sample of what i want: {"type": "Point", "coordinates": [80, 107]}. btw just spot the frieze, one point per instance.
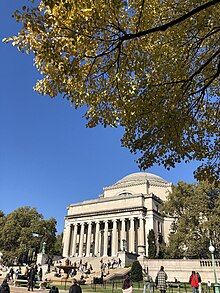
{"type": "Point", "coordinates": [107, 212]}
{"type": "Point", "coordinates": [106, 199]}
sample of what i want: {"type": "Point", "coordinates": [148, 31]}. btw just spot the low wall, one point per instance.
{"type": "Point", "coordinates": [181, 268]}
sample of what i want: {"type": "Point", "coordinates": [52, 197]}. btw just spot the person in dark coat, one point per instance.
{"type": "Point", "coordinates": [127, 285]}
{"type": "Point", "coordinates": [31, 278]}
{"type": "Point", "coordinates": [4, 288]}
{"type": "Point", "coordinates": [11, 272]}
{"type": "Point", "coordinates": [40, 274]}
{"type": "Point", "coordinates": [75, 288]}
{"type": "Point", "coordinates": [161, 280]}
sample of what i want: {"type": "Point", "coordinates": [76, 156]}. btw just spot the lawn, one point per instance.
{"type": "Point", "coordinates": [115, 287]}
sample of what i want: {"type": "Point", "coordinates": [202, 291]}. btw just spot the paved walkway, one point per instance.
{"type": "Point", "coordinates": [25, 290]}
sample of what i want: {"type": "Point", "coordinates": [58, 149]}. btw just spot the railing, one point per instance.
{"type": "Point", "coordinates": [208, 263]}
{"type": "Point", "coordinates": [115, 286]}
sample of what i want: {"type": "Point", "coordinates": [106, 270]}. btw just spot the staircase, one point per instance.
{"type": "Point", "coordinates": [116, 274]}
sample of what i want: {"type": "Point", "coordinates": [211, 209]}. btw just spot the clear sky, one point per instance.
{"type": "Point", "coordinates": [48, 158]}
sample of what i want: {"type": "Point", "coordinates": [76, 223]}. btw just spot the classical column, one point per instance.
{"type": "Point", "coordinates": [123, 234]}
{"type": "Point", "coordinates": [147, 229]}
{"type": "Point", "coordinates": [88, 244]}
{"type": "Point", "coordinates": [74, 239]}
{"type": "Point", "coordinates": [66, 240]}
{"type": "Point", "coordinates": [97, 229]}
{"type": "Point", "coordinates": [105, 248]}
{"type": "Point", "coordinates": [141, 245]}
{"type": "Point", "coordinates": [81, 240]}
{"type": "Point", "coordinates": [114, 238]}
{"type": "Point", "coordinates": [131, 234]}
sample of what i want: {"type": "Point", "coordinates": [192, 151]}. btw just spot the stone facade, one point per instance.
{"type": "Point", "coordinates": [119, 220]}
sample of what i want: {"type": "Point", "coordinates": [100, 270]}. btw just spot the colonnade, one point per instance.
{"type": "Point", "coordinates": [105, 237]}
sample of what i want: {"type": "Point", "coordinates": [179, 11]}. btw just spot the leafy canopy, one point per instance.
{"type": "Point", "coordinates": [150, 66]}
{"type": "Point", "coordinates": [196, 209]}
{"type": "Point", "coordinates": [19, 230]}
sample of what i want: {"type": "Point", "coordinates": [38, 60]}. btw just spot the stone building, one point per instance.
{"type": "Point", "coordinates": [119, 220]}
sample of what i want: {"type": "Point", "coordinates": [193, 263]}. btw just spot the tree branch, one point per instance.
{"type": "Point", "coordinates": [140, 15]}
{"type": "Point", "coordinates": [170, 24]}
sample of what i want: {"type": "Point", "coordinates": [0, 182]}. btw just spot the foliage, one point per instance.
{"type": "Point", "coordinates": [196, 208]}
{"type": "Point", "coordinates": [22, 233]}
{"type": "Point", "coordinates": [136, 272]}
{"type": "Point", "coordinates": [58, 245]}
{"type": "Point", "coordinates": [152, 246]}
{"type": "Point", "coordinates": [162, 250]}
{"type": "Point", "coordinates": [149, 66]}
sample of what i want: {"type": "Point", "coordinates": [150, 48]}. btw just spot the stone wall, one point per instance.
{"type": "Point", "coordinates": [181, 269]}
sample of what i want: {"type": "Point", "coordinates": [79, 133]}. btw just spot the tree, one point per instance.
{"type": "Point", "coordinates": [150, 66]}
{"type": "Point", "coordinates": [136, 272]}
{"type": "Point", "coordinates": [152, 246]}
{"type": "Point", "coordinates": [196, 209]}
{"type": "Point", "coordinates": [18, 234]}
{"type": "Point", "coordinates": [2, 222]}
{"type": "Point", "coordinates": [162, 249]}
{"type": "Point", "coordinates": [58, 245]}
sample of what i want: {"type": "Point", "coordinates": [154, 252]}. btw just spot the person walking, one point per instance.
{"type": "Point", "coordinates": [208, 287]}
{"type": "Point", "coordinates": [161, 279]}
{"type": "Point", "coordinates": [4, 288]}
{"type": "Point", "coordinates": [31, 278]}
{"type": "Point", "coordinates": [200, 282]}
{"type": "Point", "coordinates": [150, 285]}
{"type": "Point", "coordinates": [11, 272]}
{"type": "Point", "coordinates": [194, 282]}
{"type": "Point", "coordinates": [40, 274]}
{"type": "Point", "coordinates": [75, 288]}
{"type": "Point", "coordinates": [145, 280]}
{"type": "Point", "coordinates": [127, 285]}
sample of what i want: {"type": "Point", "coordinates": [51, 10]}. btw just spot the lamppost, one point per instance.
{"type": "Point", "coordinates": [44, 247]}
{"type": "Point", "coordinates": [1, 254]}
{"type": "Point", "coordinates": [212, 249]}
{"type": "Point", "coordinates": [36, 235]}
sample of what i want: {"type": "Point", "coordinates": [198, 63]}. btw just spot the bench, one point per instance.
{"type": "Point", "coordinates": [174, 285]}
{"type": "Point", "coordinates": [40, 284]}
{"type": "Point", "coordinates": [18, 282]}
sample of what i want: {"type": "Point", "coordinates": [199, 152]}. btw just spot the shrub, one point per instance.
{"type": "Point", "coordinates": [136, 272]}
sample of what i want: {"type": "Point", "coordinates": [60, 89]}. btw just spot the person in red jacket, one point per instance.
{"type": "Point", "coordinates": [194, 282]}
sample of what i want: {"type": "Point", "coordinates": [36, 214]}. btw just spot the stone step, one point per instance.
{"type": "Point", "coordinates": [117, 273]}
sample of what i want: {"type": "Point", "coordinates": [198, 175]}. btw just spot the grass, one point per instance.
{"type": "Point", "coordinates": [110, 287]}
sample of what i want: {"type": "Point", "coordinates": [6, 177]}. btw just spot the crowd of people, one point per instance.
{"type": "Point", "coordinates": [110, 264]}
{"type": "Point", "coordinates": [34, 273]}
{"type": "Point", "coordinates": [160, 283]}
{"type": "Point", "coordinates": [32, 270]}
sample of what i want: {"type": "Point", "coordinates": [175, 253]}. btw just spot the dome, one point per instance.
{"type": "Point", "coordinates": [140, 177]}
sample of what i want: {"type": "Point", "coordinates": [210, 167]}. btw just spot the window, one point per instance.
{"type": "Point", "coordinates": [125, 193]}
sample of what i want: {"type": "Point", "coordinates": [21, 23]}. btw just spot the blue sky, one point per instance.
{"type": "Point", "coordinates": [48, 158]}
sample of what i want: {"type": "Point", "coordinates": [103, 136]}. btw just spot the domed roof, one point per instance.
{"type": "Point", "coordinates": [140, 177]}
